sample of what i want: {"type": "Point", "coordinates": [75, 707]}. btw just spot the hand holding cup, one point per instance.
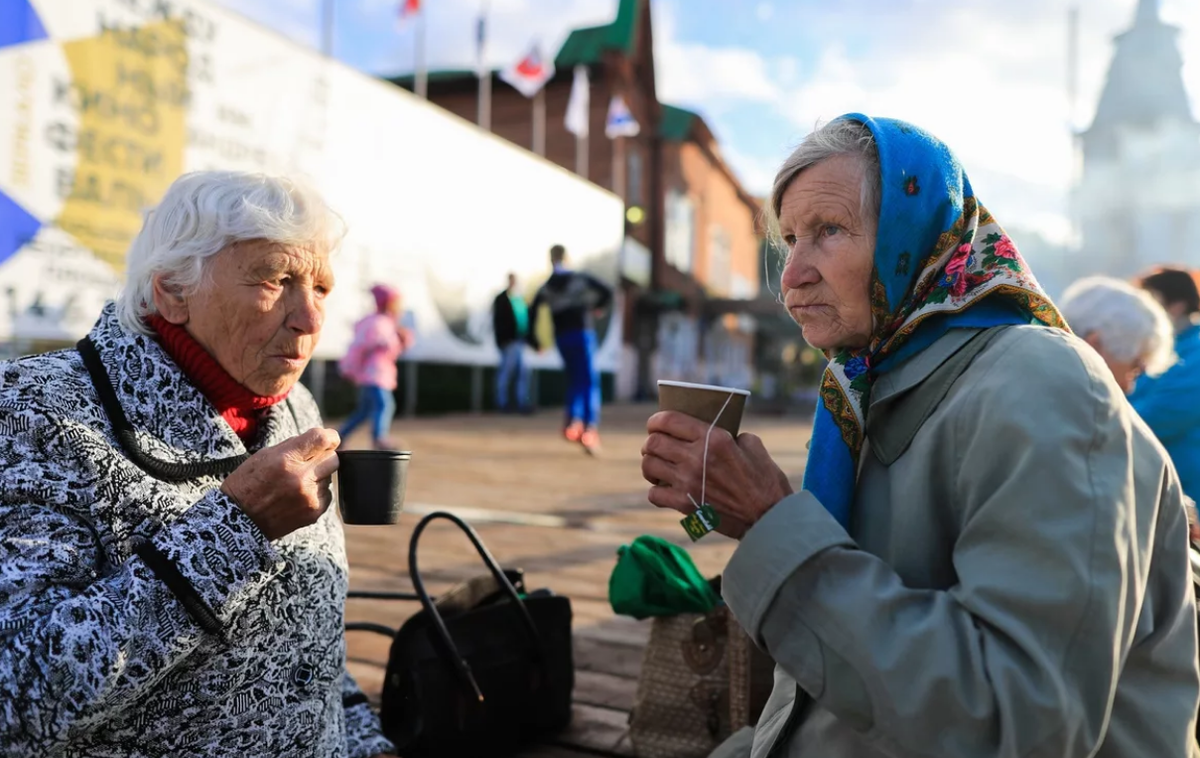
{"type": "Point", "coordinates": [287, 486]}
{"type": "Point", "coordinates": [740, 481]}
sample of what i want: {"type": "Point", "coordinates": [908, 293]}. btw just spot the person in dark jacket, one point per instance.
{"type": "Point", "coordinates": [511, 327]}
{"type": "Point", "coordinates": [575, 299]}
{"type": "Point", "coordinates": [1168, 402]}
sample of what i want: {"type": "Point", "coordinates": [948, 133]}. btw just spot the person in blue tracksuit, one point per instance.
{"type": "Point", "coordinates": [575, 299]}
{"type": "Point", "coordinates": [1170, 403]}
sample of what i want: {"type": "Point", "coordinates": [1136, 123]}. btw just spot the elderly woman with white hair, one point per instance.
{"type": "Point", "coordinates": [1124, 324]}
{"type": "Point", "coordinates": [171, 582]}
{"type": "Point", "coordinates": [987, 555]}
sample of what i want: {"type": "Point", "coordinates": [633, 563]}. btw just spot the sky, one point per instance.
{"type": "Point", "coordinates": [989, 77]}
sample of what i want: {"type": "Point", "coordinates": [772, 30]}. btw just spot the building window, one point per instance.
{"type": "Point", "coordinates": [680, 231]}
{"type": "Point", "coordinates": [633, 194]}
{"type": "Point", "coordinates": [720, 260]}
{"type": "Point", "coordinates": [742, 288]}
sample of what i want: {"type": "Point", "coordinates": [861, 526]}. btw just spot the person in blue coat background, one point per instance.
{"type": "Point", "coordinates": [1170, 403]}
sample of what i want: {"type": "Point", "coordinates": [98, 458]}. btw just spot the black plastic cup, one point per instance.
{"type": "Point", "coordinates": [371, 485]}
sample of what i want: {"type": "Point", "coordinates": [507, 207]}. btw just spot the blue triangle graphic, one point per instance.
{"type": "Point", "coordinates": [17, 227]}
{"type": "Point", "coordinates": [19, 23]}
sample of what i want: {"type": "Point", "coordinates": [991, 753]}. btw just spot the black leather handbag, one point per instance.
{"type": "Point", "coordinates": [483, 671]}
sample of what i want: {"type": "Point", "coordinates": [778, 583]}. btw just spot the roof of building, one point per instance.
{"type": "Point", "coordinates": [583, 46]}
{"type": "Point", "coordinates": [433, 77]}
{"type": "Point", "coordinates": [676, 124]}
{"type": "Point", "coordinates": [1145, 83]}
{"type": "Point", "coordinates": [587, 46]}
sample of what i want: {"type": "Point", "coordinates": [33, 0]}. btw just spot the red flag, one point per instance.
{"type": "Point", "coordinates": [409, 8]}
{"type": "Point", "coordinates": [529, 74]}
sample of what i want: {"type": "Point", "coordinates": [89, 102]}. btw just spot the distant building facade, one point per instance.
{"type": "Point", "coordinates": [691, 236]}
{"type": "Point", "coordinates": [1138, 202]}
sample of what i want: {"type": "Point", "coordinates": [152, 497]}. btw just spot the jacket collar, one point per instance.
{"type": "Point", "coordinates": [171, 416]}
{"type": "Point", "coordinates": [918, 368]}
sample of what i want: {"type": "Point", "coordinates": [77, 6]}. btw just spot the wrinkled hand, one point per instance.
{"type": "Point", "coordinates": [743, 482]}
{"type": "Point", "coordinates": [286, 487]}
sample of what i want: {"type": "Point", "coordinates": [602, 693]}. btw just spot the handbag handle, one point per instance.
{"type": "Point", "coordinates": [443, 634]}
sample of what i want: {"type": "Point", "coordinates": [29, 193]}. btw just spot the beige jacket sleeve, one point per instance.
{"type": "Point", "coordinates": [1057, 531]}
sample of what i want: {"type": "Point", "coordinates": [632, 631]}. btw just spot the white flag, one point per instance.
{"type": "Point", "coordinates": [621, 122]}
{"type": "Point", "coordinates": [529, 74]}
{"type": "Point", "coordinates": [579, 106]}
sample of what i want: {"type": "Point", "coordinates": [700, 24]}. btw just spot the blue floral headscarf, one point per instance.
{"type": "Point", "coordinates": [941, 262]}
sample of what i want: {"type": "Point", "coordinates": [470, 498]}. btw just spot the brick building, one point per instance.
{"type": "Point", "coordinates": [691, 234]}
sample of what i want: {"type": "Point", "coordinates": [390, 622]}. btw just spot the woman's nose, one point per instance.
{"type": "Point", "coordinates": [798, 271]}
{"type": "Point", "coordinates": [307, 313]}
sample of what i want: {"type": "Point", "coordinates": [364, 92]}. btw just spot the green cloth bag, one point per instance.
{"type": "Point", "coordinates": [656, 578]}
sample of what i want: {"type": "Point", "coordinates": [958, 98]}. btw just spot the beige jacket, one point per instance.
{"type": "Point", "coordinates": [1015, 584]}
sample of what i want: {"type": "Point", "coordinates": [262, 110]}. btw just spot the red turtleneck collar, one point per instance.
{"type": "Point", "coordinates": [236, 404]}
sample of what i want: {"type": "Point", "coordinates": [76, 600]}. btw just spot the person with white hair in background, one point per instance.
{"type": "Point", "coordinates": [171, 581]}
{"type": "Point", "coordinates": [1124, 324]}
{"type": "Point", "coordinates": [1134, 335]}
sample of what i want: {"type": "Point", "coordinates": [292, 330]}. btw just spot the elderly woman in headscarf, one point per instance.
{"type": "Point", "coordinates": [370, 363]}
{"type": "Point", "coordinates": [1123, 324]}
{"type": "Point", "coordinates": [988, 554]}
{"type": "Point", "coordinates": [171, 581]}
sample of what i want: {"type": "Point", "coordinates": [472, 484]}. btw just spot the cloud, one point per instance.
{"type": "Point", "coordinates": [705, 75]}
{"type": "Point", "coordinates": [512, 25]}
{"type": "Point", "coordinates": [756, 173]}
{"type": "Point", "coordinates": [987, 77]}
{"type": "Point", "coordinates": [299, 20]}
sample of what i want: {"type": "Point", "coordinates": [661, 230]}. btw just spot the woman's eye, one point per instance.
{"type": "Point", "coordinates": [789, 239]}
{"type": "Point", "coordinates": [830, 229]}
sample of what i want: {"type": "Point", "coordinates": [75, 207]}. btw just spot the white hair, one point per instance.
{"type": "Point", "coordinates": [203, 213]}
{"type": "Point", "coordinates": [840, 137]}
{"type": "Point", "coordinates": [1127, 321]}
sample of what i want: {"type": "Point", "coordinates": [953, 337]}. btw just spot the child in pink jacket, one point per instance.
{"type": "Point", "coordinates": [371, 364]}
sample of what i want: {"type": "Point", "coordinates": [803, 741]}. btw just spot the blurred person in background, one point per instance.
{"type": "Point", "coordinates": [511, 327]}
{"type": "Point", "coordinates": [575, 300]}
{"type": "Point", "coordinates": [1170, 403]}
{"type": "Point", "coordinates": [370, 363]}
{"type": "Point", "coordinates": [171, 579]}
{"type": "Point", "coordinates": [1125, 325]}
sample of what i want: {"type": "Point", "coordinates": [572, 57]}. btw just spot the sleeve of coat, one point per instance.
{"type": "Point", "coordinates": [364, 736]}
{"type": "Point", "coordinates": [81, 638]}
{"type": "Point", "coordinates": [1021, 657]}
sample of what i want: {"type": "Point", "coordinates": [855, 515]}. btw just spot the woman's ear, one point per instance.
{"type": "Point", "coordinates": [169, 301]}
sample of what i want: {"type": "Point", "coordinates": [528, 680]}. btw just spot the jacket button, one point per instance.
{"type": "Point", "coordinates": [302, 674]}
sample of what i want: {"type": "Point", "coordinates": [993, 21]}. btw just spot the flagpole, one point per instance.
{"type": "Point", "coordinates": [618, 173]}
{"type": "Point", "coordinates": [421, 76]}
{"type": "Point", "coordinates": [581, 135]}
{"type": "Point", "coordinates": [539, 122]}
{"type": "Point", "coordinates": [327, 29]}
{"type": "Point", "coordinates": [581, 155]}
{"type": "Point", "coordinates": [483, 115]}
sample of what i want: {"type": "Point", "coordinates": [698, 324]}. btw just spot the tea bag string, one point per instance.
{"type": "Point", "coordinates": [704, 462]}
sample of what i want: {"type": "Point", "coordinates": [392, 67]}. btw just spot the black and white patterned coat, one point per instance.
{"type": "Point", "coordinates": [98, 657]}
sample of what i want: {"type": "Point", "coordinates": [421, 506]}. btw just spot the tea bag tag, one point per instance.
{"type": "Point", "coordinates": [704, 520]}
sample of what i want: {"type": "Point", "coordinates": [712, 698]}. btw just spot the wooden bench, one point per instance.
{"type": "Point", "coordinates": [541, 505]}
